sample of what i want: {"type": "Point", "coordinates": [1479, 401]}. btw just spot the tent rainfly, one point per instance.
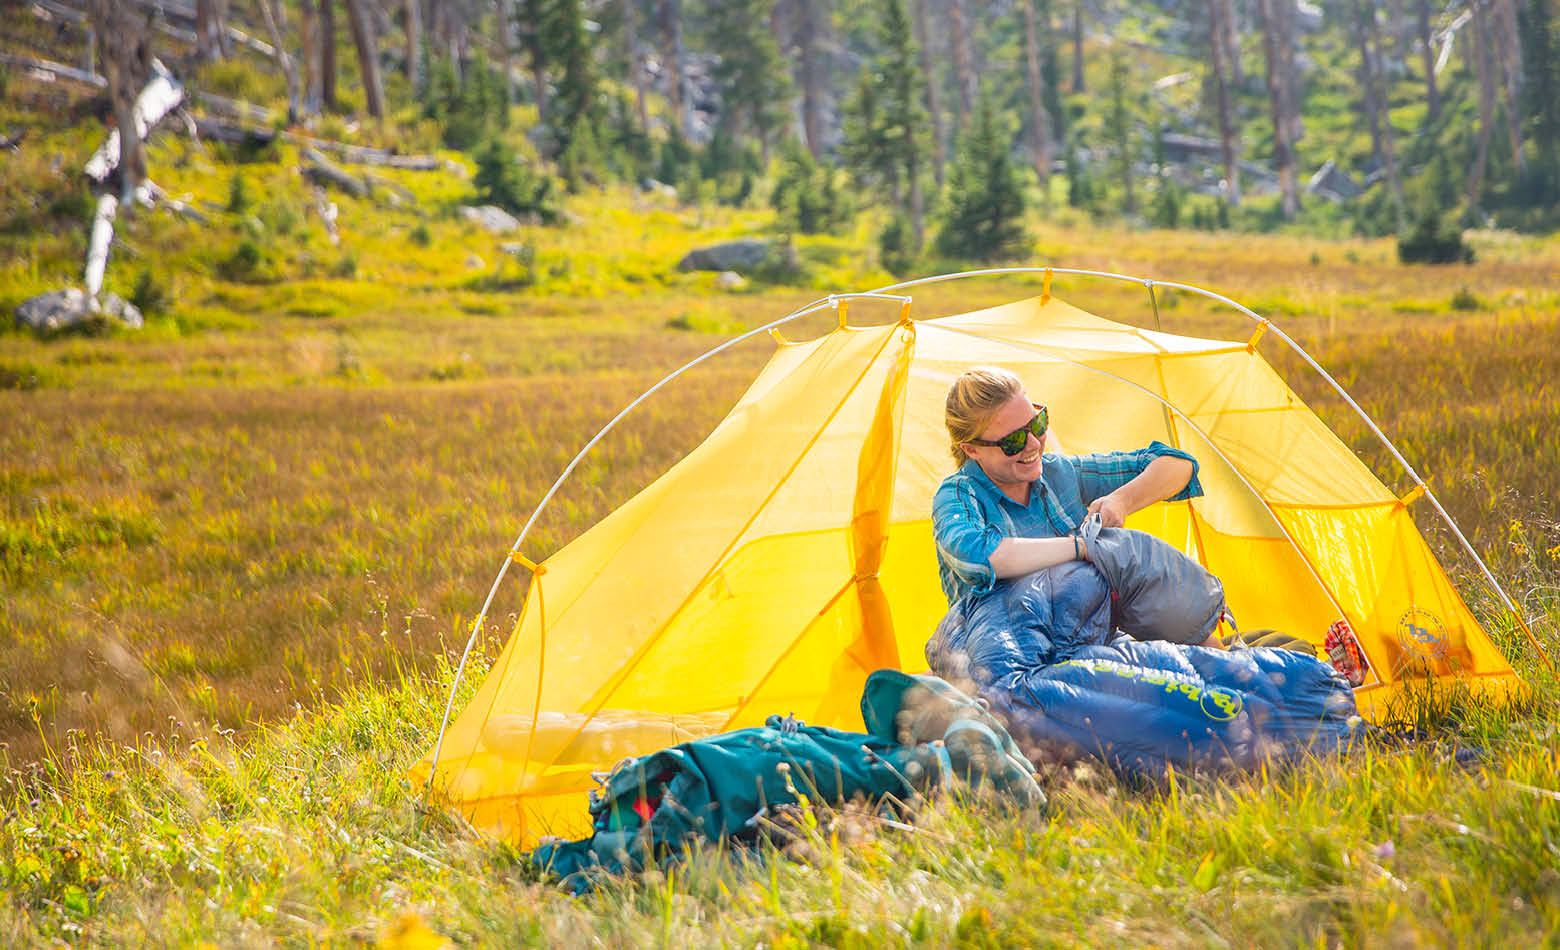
{"type": "Point", "coordinates": [790, 554]}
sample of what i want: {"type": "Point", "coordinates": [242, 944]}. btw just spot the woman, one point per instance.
{"type": "Point", "coordinates": [1011, 508]}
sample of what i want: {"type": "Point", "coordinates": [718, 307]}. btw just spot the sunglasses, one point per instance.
{"type": "Point", "coordinates": [1014, 442]}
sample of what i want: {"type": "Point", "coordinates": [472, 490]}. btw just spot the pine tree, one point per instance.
{"type": "Point", "coordinates": [755, 83]}
{"type": "Point", "coordinates": [985, 204]}
{"type": "Point", "coordinates": [885, 123]}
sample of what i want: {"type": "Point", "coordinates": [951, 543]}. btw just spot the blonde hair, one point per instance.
{"type": "Point", "coordinates": [973, 401]}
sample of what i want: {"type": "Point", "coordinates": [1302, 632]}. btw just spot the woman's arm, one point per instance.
{"type": "Point", "coordinates": [1015, 557]}
{"type": "Point", "coordinates": [1164, 476]}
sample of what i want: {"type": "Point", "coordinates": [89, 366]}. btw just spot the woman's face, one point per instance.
{"type": "Point", "coordinates": [1009, 469]}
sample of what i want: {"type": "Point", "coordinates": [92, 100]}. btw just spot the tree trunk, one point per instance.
{"type": "Point", "coordinates": [1040, 143]}
{"type": "Point", "coordinates": [963, 76]}
{"type": "Point", "coordinates": [1383, 104]}
{"type": "Point", "coordinates": [328, 55]}
{"type": "Point", "coordinates": [672, 55]}
{"type": "Point", "coordinates": [812, 76]}
{"type": "Point", "coordinates": [1485, 70]}
{"type": "Point", "coordinates": [1511, 59]}
{"type": "Point", "coordinates": [1077, 37]}
{"type": "Point", "coordinates": [1283, 157]}
{"type": "Point", "coordinates": [308, 42]}
{"type": "Point", "coordinates": [1365, 21]}
{"type": "Point", "coordinates": [368, 58]}
{"type": "Point", "coordinates": [1291, 77]}
{"type": "Point", "coordinates": [1432, 96]}
{"type": "Point", "coordinates": [636, 62]}
{"type": "Point", "coordinates": [414, 42]}
{"type": "Point", "coordinates": [126, 67]}
{"type": "Point", "coordinates": [211, 42]}
{"type": "Point", "coordinates": [1216, 44]}
{"type": "Point", "coordinates": [1231, 38]}
{"type": "Point", "coordinates": [271, 10]}
{"type": "Point", "coordinates": [939, 145]}
{"type": "Point", "coordinates": [506, 42]}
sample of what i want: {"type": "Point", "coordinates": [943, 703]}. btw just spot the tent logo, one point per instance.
{"type": "Point", "coordinates": [1421, 632]}
{"type": "Point", "coordinates": [1220, 704]}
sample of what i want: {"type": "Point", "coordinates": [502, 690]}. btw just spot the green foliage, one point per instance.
{"type": "Point", "coordinates": [1119, 123]}
{"type": "Point", "coordinates": [896, 245]}
{"type": "Point", "coordinates": [806, 198]}
{"type": "Point", "coordinates": [753, 79]}
{"type": "Point", "coordinates": [502, 180]}
{"type": "Point", "coordinates": [1166, 209]}
{"type": "Point", "coordinates": [884, 124]}
{"type": "Point", "coordinates": [150, 295]}
{"type": "Point", "coordinates": [245, 263]}
{"type": "Point", "coordinates": [239, 199]}
{"type": "Point", "coordinates": [420, 235]}
{"type": "Point", "coordinates": [471, 109]}
{"type": "Point", "coordinates": [1433, 241]}
{"type": "Point", "coordinates": [985, 205]}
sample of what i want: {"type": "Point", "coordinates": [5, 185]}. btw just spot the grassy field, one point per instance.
{"type": "Point", "coordinates": [238, 548]}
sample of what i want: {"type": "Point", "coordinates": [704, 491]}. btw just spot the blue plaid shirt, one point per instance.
{"type": "Point", "coordinates": [971, 516]}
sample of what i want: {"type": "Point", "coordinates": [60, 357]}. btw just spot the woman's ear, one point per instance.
{"type": "Point", "coordinates": [969, 450]}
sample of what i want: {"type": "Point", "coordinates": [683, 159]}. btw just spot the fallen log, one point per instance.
{"type": "Point", "coordinates": [54, 71]}
{"type": "Point", "coordinates": [215, 130]}
{"type": "Point", "coordinates": [102, 235]}
{"type": "Point", "coordinates": [322, 171]}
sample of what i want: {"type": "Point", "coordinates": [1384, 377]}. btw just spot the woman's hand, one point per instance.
{"type": "Point", "coordinates": [1111, 509]}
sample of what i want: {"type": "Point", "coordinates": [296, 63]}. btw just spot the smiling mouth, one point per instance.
{"type": "Point", "coordinates": [1026, 459]}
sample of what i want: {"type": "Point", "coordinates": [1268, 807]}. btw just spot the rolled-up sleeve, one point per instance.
{"type": "Point", "coordinates": [964, 537]}
{"type": "Point", "coordinates": [1101, 474]}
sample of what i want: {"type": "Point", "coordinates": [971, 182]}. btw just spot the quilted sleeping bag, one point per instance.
{"type": "Point", "coordinates": [1041, 650]}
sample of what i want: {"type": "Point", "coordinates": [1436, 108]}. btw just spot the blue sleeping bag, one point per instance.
{"type": "Point", "coordinates": [1040, 649]}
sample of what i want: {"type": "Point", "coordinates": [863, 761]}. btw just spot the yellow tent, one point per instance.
{"type": "Point", "coordinates": [791, 554]}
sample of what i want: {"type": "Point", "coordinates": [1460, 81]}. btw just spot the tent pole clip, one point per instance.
{"type": "Point", "coordinates": [1414, 494]}
{"type": "Point", "coordinates": [1251, 344]}
{"type": "Point", "coordinates": [1045, 287]}
{"type": "Point", "coordinates": [536, 569]}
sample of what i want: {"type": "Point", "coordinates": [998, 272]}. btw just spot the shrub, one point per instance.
{"type": "Point", "coordinates": [896, 245]}
{"type": "Point", "coordinates": [1465, 299]}
{"type": "Point", "coordinates": [1432, 241]}
{"type": "Point", "coordinates": [503, 181]}
{"type": "Point", "coordinates": [245, 263]}
{"type": "Point", "coordinates": [805, 197]}
{"type": "Point", "coordinates": [420, 235]}
{"type": "Point", "coordinates": [150, 294]}
{"type": "Point", "coordinates": [239, 199]}
{"type": "Point", "coordinates": [985, 219]}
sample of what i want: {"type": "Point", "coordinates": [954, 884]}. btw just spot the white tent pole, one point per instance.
{"type": "Point", "coordinates": [1266, 323]}
{"type": "Point", "coordinates": [831, 301]}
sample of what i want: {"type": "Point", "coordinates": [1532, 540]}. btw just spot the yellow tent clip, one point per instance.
{"type": "Point", "coordinates": [839, 308]}
{"type": "Point", "coordinates": [779, 337]}
{"type": "Point", "coordinates": [530, 565]}
{"type": "Point", "coordinates": [1045, 287]}
{"type": "Point", "coordinates": [1414, 494]}
{"type": "Point", "coordinates": [904, 313]}
{"type": "Point", "coordinates": [1251, 344]}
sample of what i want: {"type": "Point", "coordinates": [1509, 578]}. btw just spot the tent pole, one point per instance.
{"type": "Point", "coordinates": [831, 301]}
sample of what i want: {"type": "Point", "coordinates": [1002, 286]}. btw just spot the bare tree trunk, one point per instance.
{"type": "Point", "coordinates": [126, 65]}
{"type": "Point", "coordinates": [506, 42]}
{"type": "Point", "coordinates": [812, 76]}
{"type": "Point", "coordinates": [308, 43]}
{"type": "Point", "coordinates": [1216, 44]}
{"type": "Point", "coordinates": [414, 41]}
{"type": "Point", "coordinates": [672, 55]}
{"type": "Point", "coordinates": [636, 62]}
{"type": "Point", "coordinates": [1037, 114]}
{"type": "Point", "coordinates": [1510, 46]}
{"type": "Point", "coordinates": [1231, 39]}
{"type": "Point", "coordinates": [328, 55]}
{"type": "Point", "coordinates": [1383, 102]}
{"type": "Point", "coordinates": [272, 11]}
{"type": "Point", "coordinates": [368, 58]}
{"type": "Point", "coordinates": [1077, 37]}
{"type": "Point", "coordinates": [1365, 21]}
{"type": "Point", "coordinates": [1291, 77]}
{"type": "Point", "coordinates": [939, 146]}
{"type": "Point", "coordinates": [963, 76]}
{"type": "Point", "coordinates": [211, 41]}
{"type": "Point", "coordinates": [1432, 95]}
{"type": "Point", "coordinates": [1283, 157]}
{"type": "Point", "coordinates": [1485, 70]}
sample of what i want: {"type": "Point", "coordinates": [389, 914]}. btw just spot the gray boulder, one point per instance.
{"type": "Point", "coordinates": [491, 218]}
{"type": "Point", "coordinates": [740, 256]}
{"type": "Point", "coordinates": [59, 311]}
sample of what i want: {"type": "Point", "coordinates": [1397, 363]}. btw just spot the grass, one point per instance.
{"type": "Point", "coordinates": [238, 548]}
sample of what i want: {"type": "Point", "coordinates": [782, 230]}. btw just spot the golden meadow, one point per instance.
{"type": "Point", "coordinates": [294, 487]}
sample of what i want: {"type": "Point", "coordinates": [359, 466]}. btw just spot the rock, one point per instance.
{"type": "Point", "coordinates": [739, 256]}
{"type": "Point", "coordinates": [730, 280]}
{"type": "Point", "coordinates": [59, 311]}
{"type": "Point", "coordinates": [1333, 183]}
{"type": "Point", "coordinates": [473, 262]}
{"type": "Point", "coordinates": [514, 248]}
{"type": "Point", "coordinates": [490, 217]}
